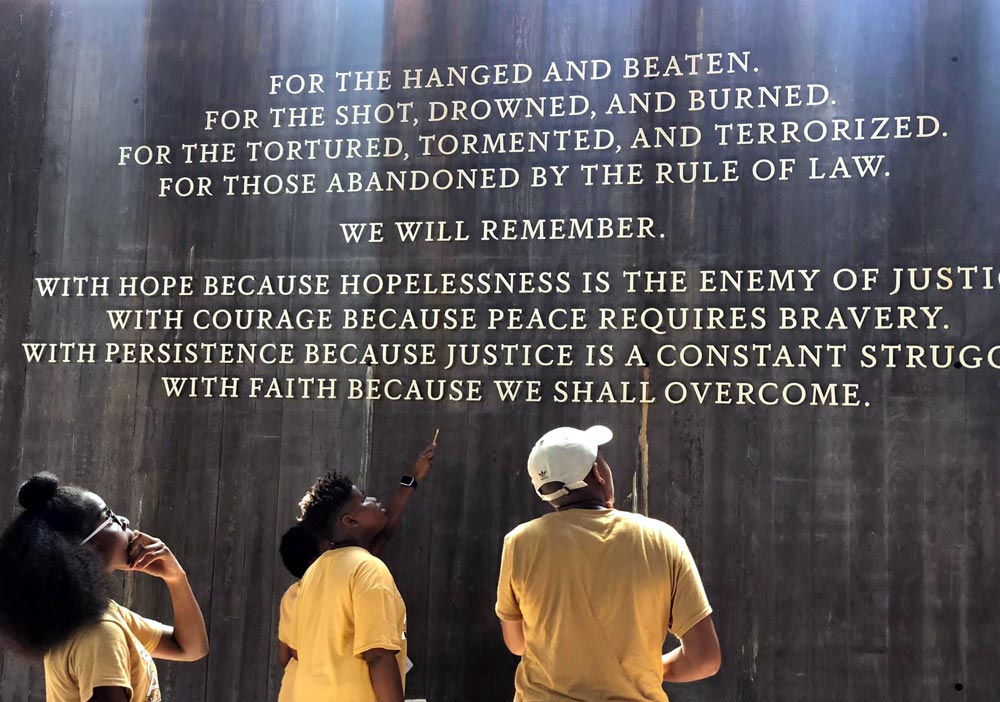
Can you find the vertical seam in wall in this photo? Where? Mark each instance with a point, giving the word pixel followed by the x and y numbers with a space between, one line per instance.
pixel 642 497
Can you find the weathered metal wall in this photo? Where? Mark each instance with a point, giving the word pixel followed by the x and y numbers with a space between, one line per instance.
pixel 851 554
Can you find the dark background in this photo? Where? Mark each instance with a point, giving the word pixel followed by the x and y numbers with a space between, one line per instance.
pixel 850 555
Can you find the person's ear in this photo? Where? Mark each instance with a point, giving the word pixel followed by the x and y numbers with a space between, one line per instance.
pixel 595 470
pixel 348 520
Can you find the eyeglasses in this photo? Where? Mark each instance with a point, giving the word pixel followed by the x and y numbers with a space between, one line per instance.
pixel 111 517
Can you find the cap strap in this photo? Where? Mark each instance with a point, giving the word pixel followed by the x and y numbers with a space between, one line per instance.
pixel 564 490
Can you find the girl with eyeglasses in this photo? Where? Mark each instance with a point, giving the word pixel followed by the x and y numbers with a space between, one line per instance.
pixel 55 601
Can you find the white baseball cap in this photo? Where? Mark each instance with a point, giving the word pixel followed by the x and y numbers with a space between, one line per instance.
pixel 565 455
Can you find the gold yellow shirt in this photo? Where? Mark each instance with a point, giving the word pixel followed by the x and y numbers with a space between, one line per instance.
pixel 597 591
pixel 347 604
pixel 286 634
pixel 112 652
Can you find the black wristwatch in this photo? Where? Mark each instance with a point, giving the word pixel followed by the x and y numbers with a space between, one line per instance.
pixel 408 481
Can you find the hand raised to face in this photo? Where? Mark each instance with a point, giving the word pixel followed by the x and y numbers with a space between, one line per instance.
pixel 147 554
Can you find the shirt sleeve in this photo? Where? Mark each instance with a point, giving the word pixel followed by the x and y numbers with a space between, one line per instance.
pixel 373 600
pixel 286 616
pixel 147 631
pixel 689 603
pixel 100 659
pixel 507 607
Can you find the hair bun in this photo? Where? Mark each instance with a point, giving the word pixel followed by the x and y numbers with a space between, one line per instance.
pixel 36 491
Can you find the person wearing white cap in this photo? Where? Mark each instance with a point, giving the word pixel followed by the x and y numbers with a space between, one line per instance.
pixel 587 594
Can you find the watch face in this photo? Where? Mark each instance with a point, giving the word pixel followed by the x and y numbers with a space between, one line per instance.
pixel 408 481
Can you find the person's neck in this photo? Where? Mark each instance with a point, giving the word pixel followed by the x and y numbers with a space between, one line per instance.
pixel 592 503
pixel 350 541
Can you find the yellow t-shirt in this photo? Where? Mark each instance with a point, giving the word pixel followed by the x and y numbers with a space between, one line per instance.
pixel 598 591
pixel 286 634
pixel 348 604
pixel 112 652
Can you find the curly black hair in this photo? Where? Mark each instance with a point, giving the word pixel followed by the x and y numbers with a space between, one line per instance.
pixel 50 584
pixel 327 496
pixel 298 549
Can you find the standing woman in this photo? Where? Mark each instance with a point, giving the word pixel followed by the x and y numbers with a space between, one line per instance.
pixel 55 601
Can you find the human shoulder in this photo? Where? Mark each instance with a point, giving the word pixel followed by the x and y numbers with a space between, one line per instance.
pixel 108 625
pixel 530 528
pixel 364 561
pixel 649 528
pixel 292 592
pixel 97 655
pixel 106 630
pixel 339 562
pixel 104 639
pixel 366 570
pixel 342 569
pixel 147 631
pixel 290 597
pixel 118 613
